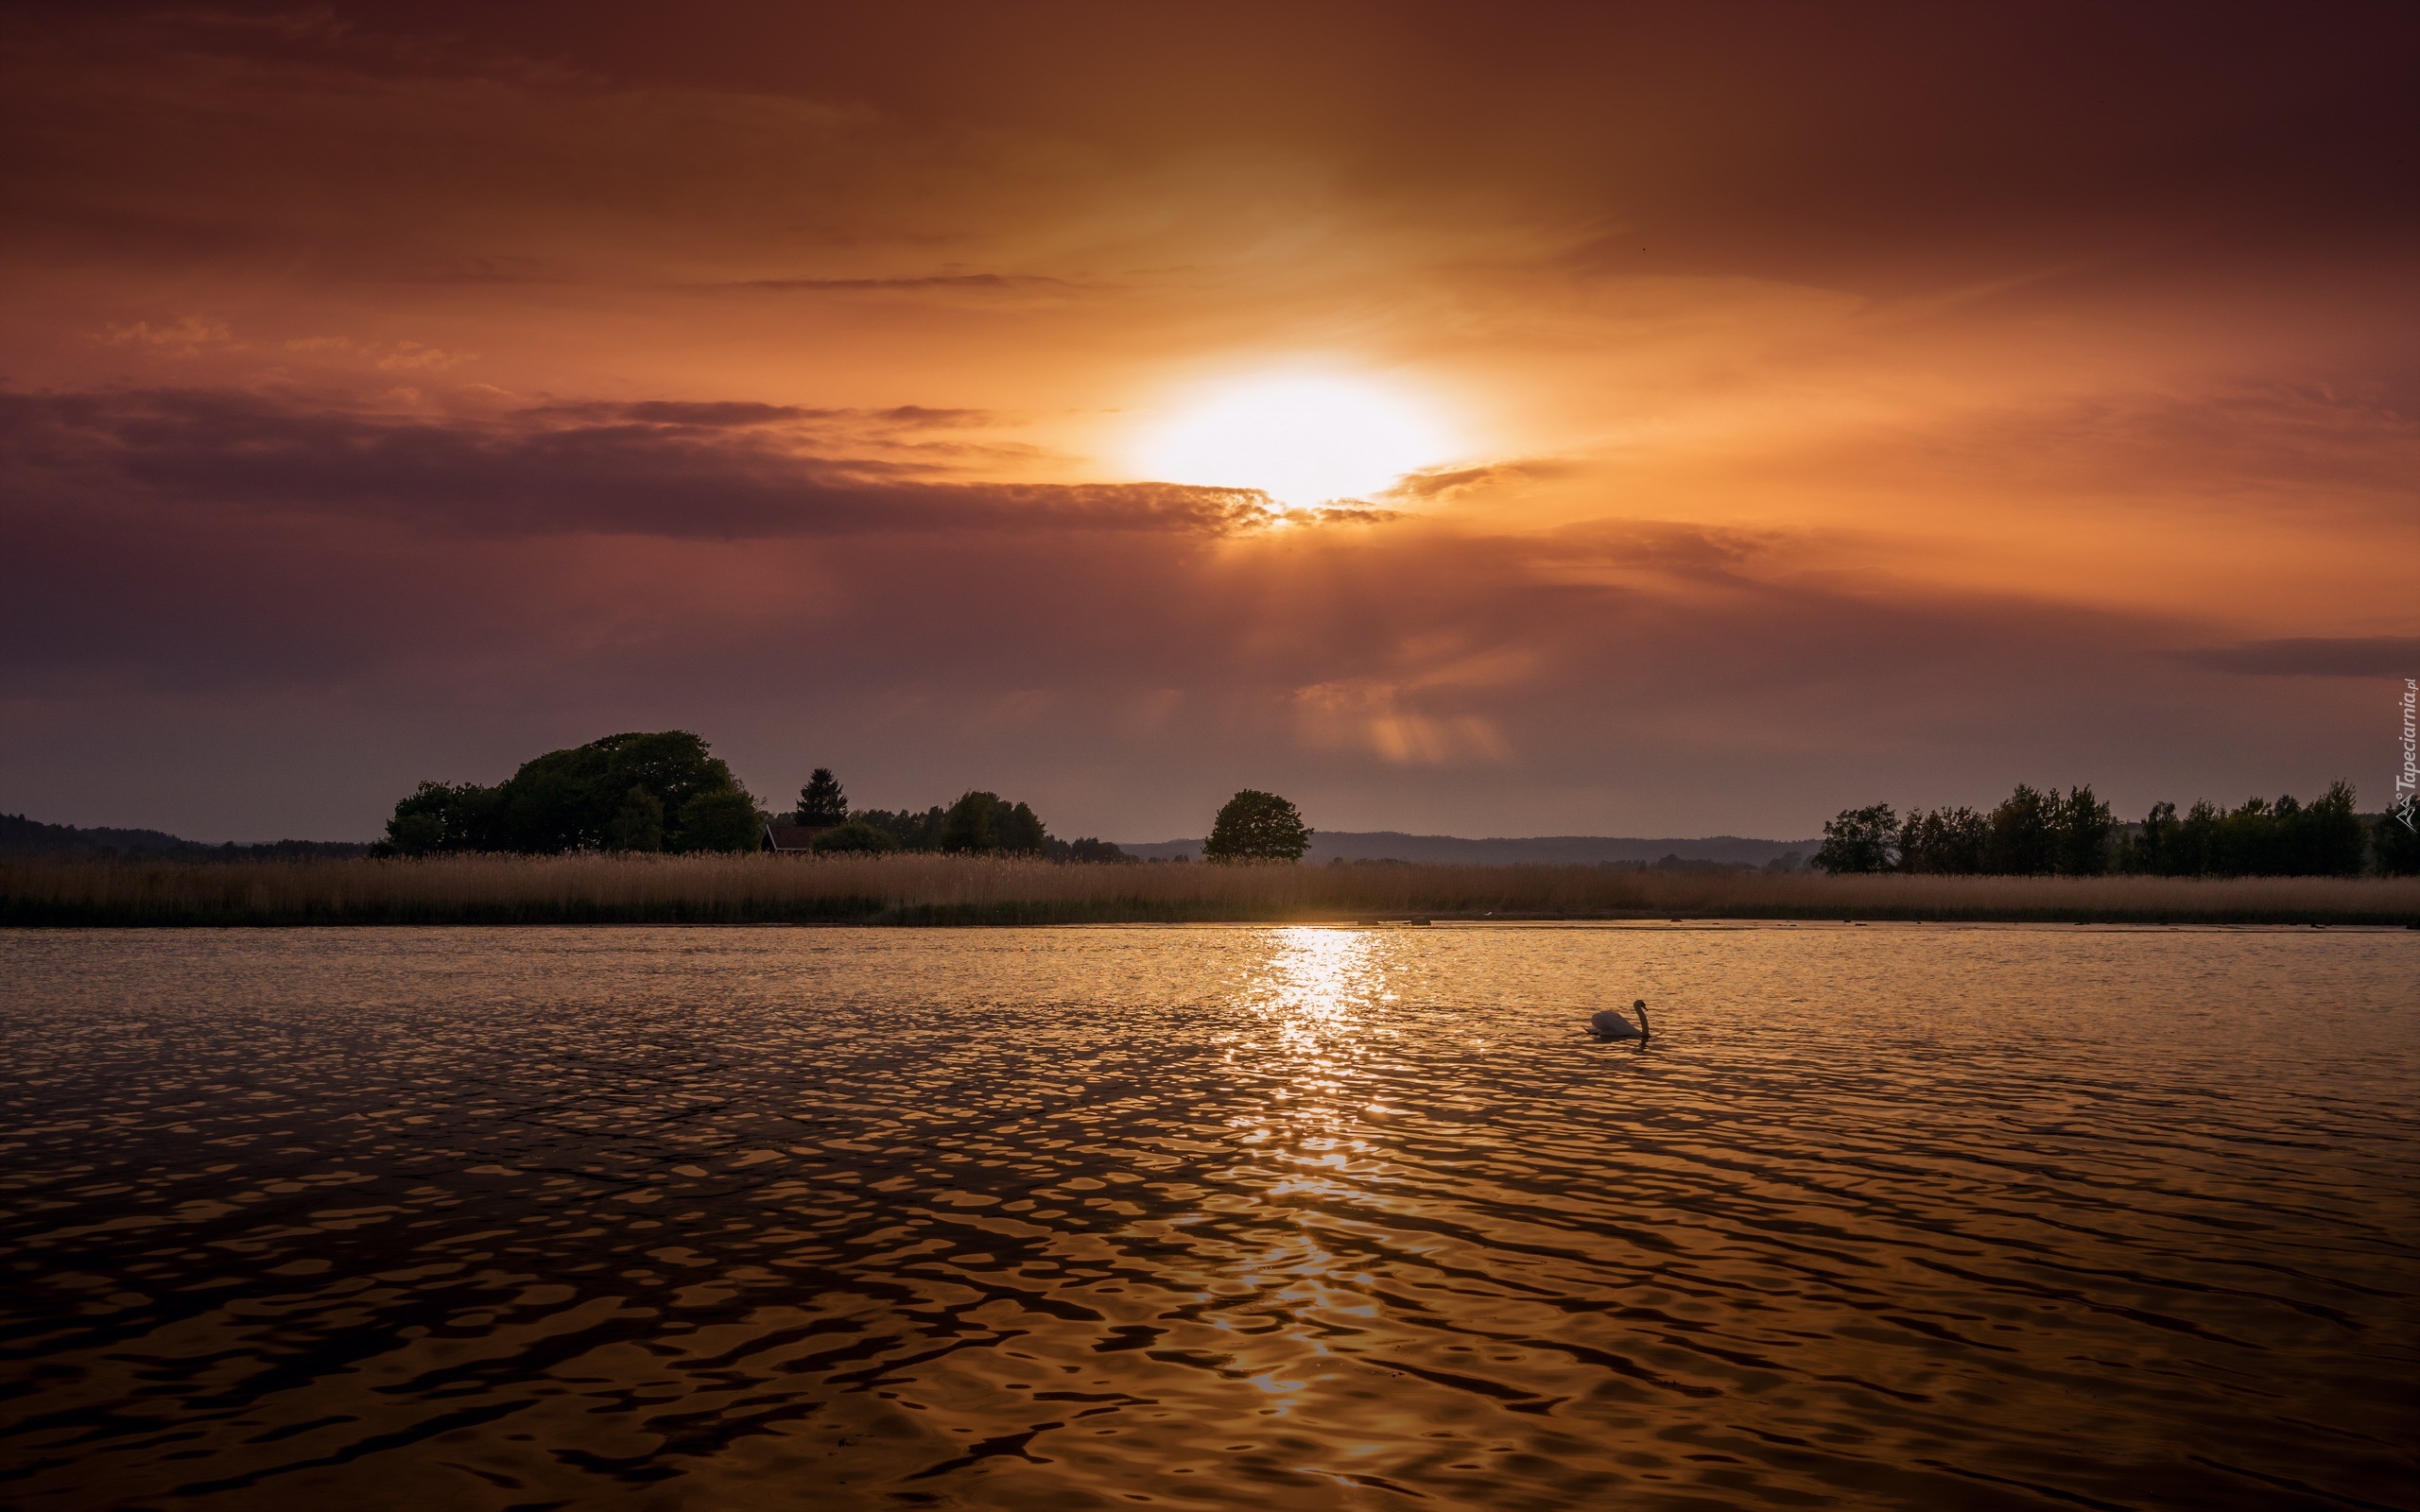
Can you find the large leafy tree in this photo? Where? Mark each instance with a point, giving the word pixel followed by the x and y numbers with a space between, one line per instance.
pixel 634 791
pixel 720 818
pixel 438 816
pixel 1257 826
pixel 985 822
pixel 2025 833
pixel 2084 825
pixel 1859 840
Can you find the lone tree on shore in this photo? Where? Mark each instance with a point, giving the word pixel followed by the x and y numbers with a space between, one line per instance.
pixel 1257 826
pixel 821 803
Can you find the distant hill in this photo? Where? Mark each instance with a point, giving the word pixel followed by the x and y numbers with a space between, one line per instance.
pixel 1567 850
pixel 22 838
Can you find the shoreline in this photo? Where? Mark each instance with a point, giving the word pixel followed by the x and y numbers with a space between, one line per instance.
pixel 927 890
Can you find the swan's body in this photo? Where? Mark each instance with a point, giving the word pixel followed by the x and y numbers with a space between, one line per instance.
pixel 1608 1023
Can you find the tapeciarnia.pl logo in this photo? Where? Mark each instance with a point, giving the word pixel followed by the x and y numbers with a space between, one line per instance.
pixel 2406 782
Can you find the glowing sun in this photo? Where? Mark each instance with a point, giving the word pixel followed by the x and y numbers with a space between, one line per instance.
pixel 1302 441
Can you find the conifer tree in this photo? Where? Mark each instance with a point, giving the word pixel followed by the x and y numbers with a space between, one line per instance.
pixel 821 803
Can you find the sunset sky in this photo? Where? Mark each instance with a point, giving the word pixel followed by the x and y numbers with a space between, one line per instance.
pixel 1745 411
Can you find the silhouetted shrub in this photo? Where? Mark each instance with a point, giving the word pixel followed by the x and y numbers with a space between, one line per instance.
pixel 856 837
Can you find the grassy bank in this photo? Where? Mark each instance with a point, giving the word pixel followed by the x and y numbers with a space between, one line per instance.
pixel 934 889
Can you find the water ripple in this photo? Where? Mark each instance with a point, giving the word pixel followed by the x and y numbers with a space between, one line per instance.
pixel 1903 1217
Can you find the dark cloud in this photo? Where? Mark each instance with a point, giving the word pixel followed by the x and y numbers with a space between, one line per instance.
pixel 1696 551
pixel 725 415
pixel 233 549
pixel 910 283
pixel 732 413
pixel 920 417
pixel 1122 679
pixel 658 469
pixel 2361 656
pixel 1448 483
pixel 1854 144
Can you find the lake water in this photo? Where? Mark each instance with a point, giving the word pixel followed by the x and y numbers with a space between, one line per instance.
pixel 1882 1217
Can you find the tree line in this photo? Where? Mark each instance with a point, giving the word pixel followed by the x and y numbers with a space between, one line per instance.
pixel 665 790
pixel 22 837
pixel 1252 826
pixel 979 823
pixel 2045 833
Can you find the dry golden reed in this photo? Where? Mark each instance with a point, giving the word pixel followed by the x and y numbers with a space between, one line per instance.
pixel 936 889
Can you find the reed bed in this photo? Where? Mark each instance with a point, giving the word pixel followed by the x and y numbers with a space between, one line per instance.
pixel 936 889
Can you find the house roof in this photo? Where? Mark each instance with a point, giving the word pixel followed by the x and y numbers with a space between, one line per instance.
pixel 787 837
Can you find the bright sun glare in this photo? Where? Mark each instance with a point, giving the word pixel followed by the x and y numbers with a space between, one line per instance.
pixel 1302 441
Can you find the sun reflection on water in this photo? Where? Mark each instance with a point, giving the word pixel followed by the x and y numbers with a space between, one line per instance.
pixel 1321 998
pixel 1318 989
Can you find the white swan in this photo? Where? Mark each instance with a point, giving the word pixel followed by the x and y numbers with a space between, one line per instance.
pixel 1608 1023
